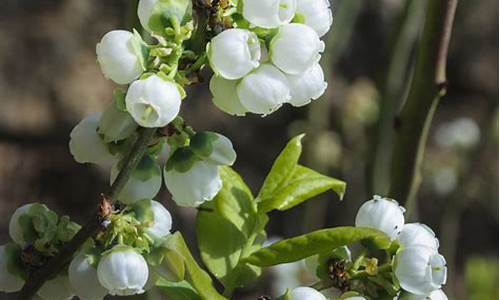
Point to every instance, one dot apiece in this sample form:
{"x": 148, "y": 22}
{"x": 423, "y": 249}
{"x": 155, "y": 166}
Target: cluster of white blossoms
{"x": 418, "y": 266}
{"x": 271, "y": 57}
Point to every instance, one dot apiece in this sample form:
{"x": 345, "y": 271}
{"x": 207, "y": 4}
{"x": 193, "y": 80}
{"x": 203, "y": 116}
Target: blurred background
{"x": 49, "y": 80}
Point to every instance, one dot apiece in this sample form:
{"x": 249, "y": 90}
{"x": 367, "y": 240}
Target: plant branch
{"x": 56, "y": 264}
{"x": 428, "y": 86}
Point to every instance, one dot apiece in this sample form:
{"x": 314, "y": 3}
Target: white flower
{"x": 123, "y": 271}
{"x": 153, "y": 102}
{"x": 269, "y": 13}
{"x": 9, "y": 282}
{"x": 58, "y": 288}
{"x": 306, "y": 293}
{"x": 316, "y": 14}
{"x": 420, "y": 269}
{"x": 383, "y": 214}
{"x": 307, "y": 86}
{"x": 85, "y": 144}
{"x": 264, "y": 90}
{"x": 15, "y": 227}
{"x": 117, "y": 57}
{"x": 162, "y": 221}
{"x": 143, "y": 183}
{"x": 234, "y": 52}
{"x": 213, "y": 147}
{"x": 436, "y": 295}
{"x": 414, "y": 234}
{"x": 296, "y": 48}
{"x": 462, "y": 133}
{"x": 225, "y": 97}
{"x": 83, "y": 277}
{"x": 190, "y": 181}
{"x": 154, "y": 15}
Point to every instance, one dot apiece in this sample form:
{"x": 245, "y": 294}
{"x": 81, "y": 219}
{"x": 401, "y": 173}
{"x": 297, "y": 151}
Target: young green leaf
{"x": 178, "y": 290}
{"x": 316, "y": 242}
{"x": 303, "y": 185}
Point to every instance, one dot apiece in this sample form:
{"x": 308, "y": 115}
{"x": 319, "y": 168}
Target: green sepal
{"x": 66, "y": 229}
{"x": 147, "y": 168}
{"x": 119, "y": 99}
{"x": 15, "y": 265}
{"x": 140, "y": 48}
{"x": 181, "y": 160}
{"x": 143, "y": 212}
{"x": 156, "y": 149}
{"x": 39, "y": 226}
{"x": 116, "y": 124}
{"x": 167, "y": 10}
{"x": 202, "y": 144}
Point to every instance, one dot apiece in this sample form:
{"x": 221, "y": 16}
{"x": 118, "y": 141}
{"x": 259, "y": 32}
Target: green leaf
{"x": 178, "y": 290}
{"x": 196, "y": 276}
{"x": 226, "y": 229}
{"x": 316, "y": 242}
{"x": 282, "y": 169}
{"x": 301, "y": 186}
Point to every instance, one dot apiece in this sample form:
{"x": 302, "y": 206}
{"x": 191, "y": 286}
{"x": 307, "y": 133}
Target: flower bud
{"x": 123, "y": 271}
{"x": 316, "y": 14}
{"x": 85, "y": 144}
{"x": 153, "y": 102}
{"x": 306, "y": 86}
{"x": 420, "y": 269}
{"x": 162, "y": 221}
{"x": 415, "y": 234}
{"x": 269, "y": 13}
{"x": 58, "y": 288}
{"x": 234, "y": 52}
{"x": 156, "y": 15}
{"x": 22, "y": 223}
{"x": 116, "y": 124}
{"x": 296, "y": 48}
{"x": 213, "y": 147}
{"x": 306, "y": 293}
{"x": 436, "y": 295}
{"x": 9, "y": 281}
{"x": 191, "y": 181}
{"x": 383, "y": 214}
{"x": 225, "y": 96}
{"x": 264, "y": 90}
{"x": 118, "y": 57}
{"x": 83, "y": 277}
{"x": 143, "y": 183}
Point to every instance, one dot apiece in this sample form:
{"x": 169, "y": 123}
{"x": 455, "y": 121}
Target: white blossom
{"x": 296, "y": 48}
{"x": 117, "y": 57}
{"x": 307, "y": 86}
{"x": 162, "y": 221}
{"x": 86, "y": 145}
{"x": 83, "y": 277}
{"x": 233, "y": 53}
{"x": 15, "y": 228}
{"x": 269, "y": 13}
{"x": 123, "y": 271}
{"x": 9, "y": 282}
{"x": 264, "y": 90}
{"x": 58, "y": 288}
{"x": 153, "y": 102}
{"x": 383, "y": 214}
{"x": 306, "y": 293}
{"x": 436, "y": 295}
{"x": 420, "y": 269}
{"x": 414, "y": 234}
{"x": 155, "y": 15}
{"x": 225, "y": 97}
{"x": 214, "y": 148}
{"x": 316, "y": 14}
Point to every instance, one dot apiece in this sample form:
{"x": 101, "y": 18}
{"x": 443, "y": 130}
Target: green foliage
{"x": 316, "y": 242}
{"x": 481, "y": 276}
{"x": 178, "y": 290}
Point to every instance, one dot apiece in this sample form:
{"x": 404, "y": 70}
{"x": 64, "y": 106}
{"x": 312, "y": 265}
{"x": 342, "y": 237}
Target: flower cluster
{"x": 270, "y": 56}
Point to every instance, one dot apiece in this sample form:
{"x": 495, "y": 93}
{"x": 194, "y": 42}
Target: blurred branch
{"x": 427, "y": 88}
{"x": 56, "y": 264}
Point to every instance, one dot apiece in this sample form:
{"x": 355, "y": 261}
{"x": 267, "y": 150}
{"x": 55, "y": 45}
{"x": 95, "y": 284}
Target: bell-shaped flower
{"x": 296, "y": 48}
{"x": 86, "y": 145}
{"x": 118, "y": 56}
{"x": 58, "y": 288}
{"x": 420, "y": 270}
{"x": 143, "y": 183}
{"x": 315, "y": 14}
{"x": 233, "y": 53}
{"x": 436, "y": 295}
{"x": 225, "y": 97}
{"x": 383, "y": 214}
{"x": 30, "y": 221}
{"x": 264, "y": 90}
{"x": 191, "y": 181}
{"x": 123, "y": 271}
{"x": 307, "y": 86}
{"x": 9, "y": 281}
{"x": 306, "y": 293}
{"x": 153, "y": 102}
{"x": 415, "y": 234}
{"x": 161, "y": 223}
{"x": 213, "y": 147}
{"x": 83, "y": 277}
{"x": 269, "y": 13}
{"x": 156, "y": 15}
